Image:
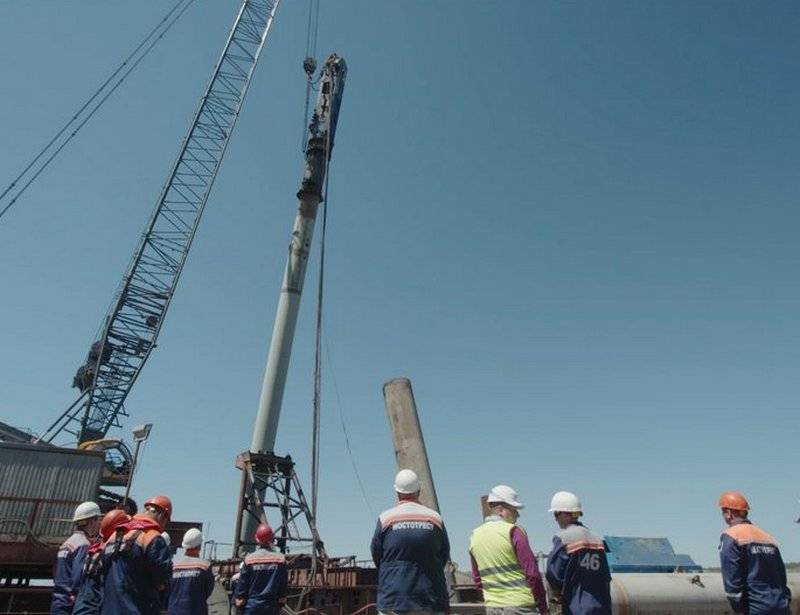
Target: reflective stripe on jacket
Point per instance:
(503, 581)
(752, 571)
(410, 548)
(263, 582)
(578, 568)
(191, 585)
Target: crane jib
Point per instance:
(134, 321)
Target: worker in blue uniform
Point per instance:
(138, 565)
(89, 598)
(71, 554)
(753, 572)
(577, 568)
(263, 578)
(410, 549)
(192, 580)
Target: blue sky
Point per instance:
(573, 226)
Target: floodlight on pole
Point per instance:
(140, 434)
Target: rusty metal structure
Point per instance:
(39, 489)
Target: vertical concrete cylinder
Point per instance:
(409, 445)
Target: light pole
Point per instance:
(140, 434)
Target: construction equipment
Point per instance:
(263, 473)
(134, 321)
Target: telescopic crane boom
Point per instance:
(133, 323)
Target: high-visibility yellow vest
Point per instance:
(504, 582)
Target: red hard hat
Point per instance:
(264, 534)
(734, 501)
(162, 502)
(111, 521)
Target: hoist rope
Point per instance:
(142, 50)
(310, 62)
(315, 420)
(345, 431)
(312, 28)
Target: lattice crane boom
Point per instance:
(134, 321)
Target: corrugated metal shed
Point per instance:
(40, 487)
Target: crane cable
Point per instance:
(310, 66)
(310, 62)
(153, 37)
(315, 419)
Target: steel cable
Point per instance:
(169, 20)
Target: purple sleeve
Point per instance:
(527, 561)
(476, 576)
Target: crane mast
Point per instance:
(134, 321)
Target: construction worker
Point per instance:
(503, 563)
(577, 568)
(192, 579)
(90, 594)
(263, 577)
(137, 565)
(72, 552)
(752, 568)
(410, 548)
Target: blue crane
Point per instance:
(131, 327)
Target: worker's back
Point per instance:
(578, 569)
(263, 582)
(136, 569)
(503, 582)
(410, 548)
(753, 570)
(191, 584)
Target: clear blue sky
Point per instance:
(573, 226)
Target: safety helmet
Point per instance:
(86, 510)
(111, 521)
(734, 501)
(503, 494)
(264, 534)
(161, 502)
(406, 482)
(192, 539)
(564, 501)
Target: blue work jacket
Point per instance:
(752, 571)
(577, 568)
(263, 582)
(191, 585)
(68, 572)
(137, 568)
(89, 598)
(410, 548)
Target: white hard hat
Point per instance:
(86, 510)
(167, 538)
(504, 494)
(564, 501)
(406, 482)
(192, 539)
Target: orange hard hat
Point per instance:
(162, 502)
(264, 534)
(111, 521)
(734, 501)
